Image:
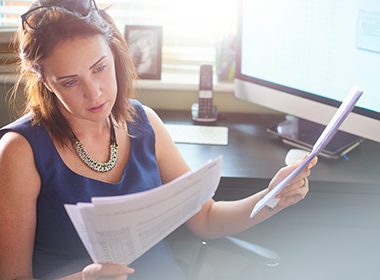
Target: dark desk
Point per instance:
(334, 233)
(254, 153)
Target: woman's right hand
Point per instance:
(106, 271)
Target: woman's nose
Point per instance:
(92, 90)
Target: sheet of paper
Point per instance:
(328, 133)
(80, 226)
(119, 229)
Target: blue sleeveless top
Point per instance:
(58, 250)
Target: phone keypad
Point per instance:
(205, 107)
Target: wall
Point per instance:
(182, 100)
(7, 110)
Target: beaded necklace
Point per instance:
(94, 164)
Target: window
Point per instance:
(191, 29)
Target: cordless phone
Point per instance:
(204, 111)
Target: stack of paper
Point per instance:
(120, 229)
(328, 133)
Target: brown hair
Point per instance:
(55, 25)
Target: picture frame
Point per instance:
(145, 45)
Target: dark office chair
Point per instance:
(227, 258)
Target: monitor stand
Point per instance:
(303, 134)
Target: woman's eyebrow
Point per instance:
(75, 75)
(103, 57)
(65, 77)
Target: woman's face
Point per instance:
(81, 73)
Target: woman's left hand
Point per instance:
(297, 189)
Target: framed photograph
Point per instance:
(145, 46)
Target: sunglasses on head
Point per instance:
(31, 19)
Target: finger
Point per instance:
(303, 190)
(116, 269)
(94, 271)
(296, 186)
(306, 172)
(298, 180)
(305, 156)
(293, 197)
(285, 171)
(313, 162)
(299, 161)
(303, 174)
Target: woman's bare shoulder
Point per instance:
(17, 166)
(19, 189)
(14, 146)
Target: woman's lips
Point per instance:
(97, 109)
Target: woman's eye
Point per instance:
(100, 68)
(69, 83)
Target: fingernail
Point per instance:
(130, 270)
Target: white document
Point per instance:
(119, 229)
(77, 220)
(328, 133)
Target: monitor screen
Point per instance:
(303, 57)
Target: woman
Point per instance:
(83, 136)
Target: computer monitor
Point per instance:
(303, 57)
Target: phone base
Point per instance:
(203, 120)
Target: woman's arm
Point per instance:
(19, 189)
(217, 219)
(222, 218)
(170, 161)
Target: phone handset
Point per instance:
(204, 111)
